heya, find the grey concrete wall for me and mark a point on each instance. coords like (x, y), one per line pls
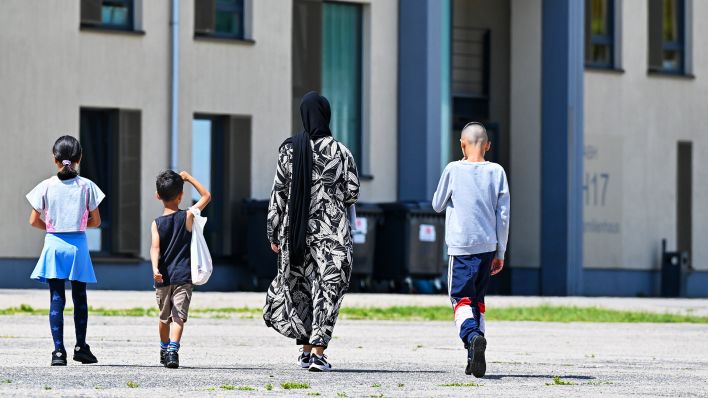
(525, 98)
(635, 120)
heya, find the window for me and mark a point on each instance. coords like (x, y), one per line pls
(599, 31)
(221, 161)
(108, 14)
(111, 158)
(327, 55)
(667, 36)
(221, 18)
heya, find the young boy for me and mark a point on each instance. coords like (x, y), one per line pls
(476, 196)
(170, 256)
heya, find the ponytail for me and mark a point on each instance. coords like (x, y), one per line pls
(67, 151)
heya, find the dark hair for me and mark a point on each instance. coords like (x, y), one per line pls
(67, 150)
(169, 185)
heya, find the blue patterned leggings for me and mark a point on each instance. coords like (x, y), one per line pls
(56, 311)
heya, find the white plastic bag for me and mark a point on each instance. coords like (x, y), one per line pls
(202, 266)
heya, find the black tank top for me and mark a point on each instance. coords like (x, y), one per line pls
(175, 240)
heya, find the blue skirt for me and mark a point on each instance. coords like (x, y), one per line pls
(65, 256)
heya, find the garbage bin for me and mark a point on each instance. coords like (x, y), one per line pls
(674, 268)
(368, 217)
(410, 243)
(262, 262)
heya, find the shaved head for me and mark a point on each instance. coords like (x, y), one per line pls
(474, 134)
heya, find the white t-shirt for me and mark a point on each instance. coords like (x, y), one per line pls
(65, 205)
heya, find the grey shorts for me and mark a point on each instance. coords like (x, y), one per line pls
(173, 302)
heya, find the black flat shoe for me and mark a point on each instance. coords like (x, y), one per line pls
(476, 363)
(172, 360)
(84, 355)
(59, 358)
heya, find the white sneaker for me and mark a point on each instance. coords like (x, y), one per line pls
(304, 360)
(320, 364)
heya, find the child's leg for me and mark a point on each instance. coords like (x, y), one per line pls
(78, 294)
(57, 296)
(481, 282)
(164, 333)
(462, 278)
(181, 298)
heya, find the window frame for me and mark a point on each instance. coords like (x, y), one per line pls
(613, 39)
(682, 46)
(205, 21)
(132, 27)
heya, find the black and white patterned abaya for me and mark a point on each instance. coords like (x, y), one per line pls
(304, 299)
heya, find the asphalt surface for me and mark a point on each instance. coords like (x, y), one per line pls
(390, 359)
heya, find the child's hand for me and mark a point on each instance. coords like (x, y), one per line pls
(275, 248)
(185, 176)
(157, 276)
(497, 266)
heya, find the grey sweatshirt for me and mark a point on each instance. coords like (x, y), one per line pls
(476, 196)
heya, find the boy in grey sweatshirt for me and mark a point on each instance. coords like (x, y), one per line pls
(475, 195)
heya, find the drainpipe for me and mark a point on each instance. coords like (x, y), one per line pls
(174, 83)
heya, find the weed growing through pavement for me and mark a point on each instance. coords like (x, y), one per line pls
(313, 394)
(376, 385)
(211, 389)
(401, 385)
(292, 385)
(47, 387)
(461, 385)
(597, 382)
(245, 388)
(342, 395)
(133, 384)
(227, 387)
(7, 381)
(269, 387)
(377, 396)
(99, 387)
(557, 381)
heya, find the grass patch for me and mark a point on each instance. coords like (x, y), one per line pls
(228, 387)
(245, 388)
(541, 313)
(313, 394)
(292, 385)
(47, 388)
(342, 395)
(460, 385)
(376, 385)
(557, 381)
(7, 381)
(269, 387)
(377, 396)
(401, 385)
(132, 384)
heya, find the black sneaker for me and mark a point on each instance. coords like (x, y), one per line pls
(84, 355)
(476, 364)
(320, 364)
(304, 360)
(163, 352)
(59, 358)
(172, 360)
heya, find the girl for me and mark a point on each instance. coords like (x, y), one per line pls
(64, 206)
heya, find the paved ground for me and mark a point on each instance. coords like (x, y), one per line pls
(38, 298)
(400, 359)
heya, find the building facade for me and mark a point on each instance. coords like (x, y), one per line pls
(594, 108)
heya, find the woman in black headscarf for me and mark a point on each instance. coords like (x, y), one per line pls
(316, 181)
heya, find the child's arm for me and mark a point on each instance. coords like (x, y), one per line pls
(202, 202)
(502, 212)
(94, 219)
(35, 220)
(155, 253)
(444, 192)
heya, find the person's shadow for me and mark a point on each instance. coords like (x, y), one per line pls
(575, 377)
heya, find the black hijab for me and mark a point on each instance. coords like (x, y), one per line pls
(315, 113)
